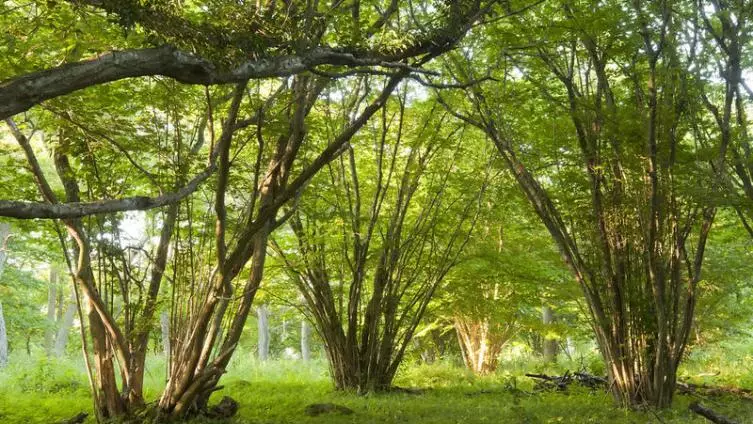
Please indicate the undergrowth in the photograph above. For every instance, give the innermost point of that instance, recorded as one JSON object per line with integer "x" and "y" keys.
{"x": 41, "y": 390}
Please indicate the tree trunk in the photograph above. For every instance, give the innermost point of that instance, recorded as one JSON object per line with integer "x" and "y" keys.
{"x": 481, "y": 342}
{"x": 549, "y": 348}
{"x": 193, "y": 376}
{"x": 66, "y": 322}
{"x": 262, "y": 315}
{"x": 305, "y": 340}
{"x": 49, "y": 334}
{"x": 111, "y": 404}
{"x": 3, "y": 340}
{"x": 164, "y": 320}
{"x": 4, "y": 234}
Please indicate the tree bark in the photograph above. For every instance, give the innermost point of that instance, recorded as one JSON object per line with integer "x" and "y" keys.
{"x": 164, "y": 320}
{"x": 66, "y": 322}
{"x": 3, "y": 339}
{"x": 49, "y": 335}
{"x": 4, "y": 234}
{"x": 305, "y": 341}
{"x": 549, "y": 344}
{"x": 262, "y": 317}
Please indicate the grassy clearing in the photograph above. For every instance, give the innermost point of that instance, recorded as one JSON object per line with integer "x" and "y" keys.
{"x": 278, "y": 391}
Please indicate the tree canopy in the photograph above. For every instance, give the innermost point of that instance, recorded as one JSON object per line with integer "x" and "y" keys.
{"x": 502, "y": 171}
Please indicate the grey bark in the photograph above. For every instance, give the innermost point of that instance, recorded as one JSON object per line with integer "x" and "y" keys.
{"x": 164, "y": 320}
{"x": 549, "y": 344}
{"x": 305, "y": 340}
{"x": 32, "y": 210}
{"x": 66, "y": 322}
{"x": 262, "y": 315}
{"x": 284, "y": 331}
{"x": 26, "y": 91}
{"x": 52, "y": 296}
{"x": 3, "y": 340}
{"x": 4, "y": 234}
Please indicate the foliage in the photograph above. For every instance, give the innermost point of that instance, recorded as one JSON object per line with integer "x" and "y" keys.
{"x": 458, "y": 178}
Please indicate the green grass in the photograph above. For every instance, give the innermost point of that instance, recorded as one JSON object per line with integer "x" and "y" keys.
{"x": 44, "y": 391}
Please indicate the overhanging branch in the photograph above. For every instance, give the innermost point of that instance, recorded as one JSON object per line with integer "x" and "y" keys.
{"x": 19, "y": 94}
{"x": 54, "y": 210}
{"x": 31, "y": 210}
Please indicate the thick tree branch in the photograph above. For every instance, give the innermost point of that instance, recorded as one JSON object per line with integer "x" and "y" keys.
{"x": 21, "y": 93}
{"x": 31, "y": 210}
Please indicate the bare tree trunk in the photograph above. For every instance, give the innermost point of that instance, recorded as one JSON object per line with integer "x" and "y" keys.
{"x": 305, "y": 340}
{"x": 49, "y": 334}
{"x": 549, "y": 343}
{"x": 164, "y": 321}
{"x": 3, "y": 340}
{"x": 262, "y": 315}
{"x": 66, "y": 322}
{"x": 4, "y": 234}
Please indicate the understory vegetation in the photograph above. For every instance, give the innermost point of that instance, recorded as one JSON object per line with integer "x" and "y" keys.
{"x": 278, "y": 391}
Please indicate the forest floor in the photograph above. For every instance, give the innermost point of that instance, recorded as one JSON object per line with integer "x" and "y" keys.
{"x": 279, "y": 391}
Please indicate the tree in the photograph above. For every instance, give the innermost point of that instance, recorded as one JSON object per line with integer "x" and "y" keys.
{"x": 372, "y": 248}
{"x": 627, "y": 220}
{"x": 3, "y": 340}
{"x": 509, "y": 265}
{"x": 65, "y": 323}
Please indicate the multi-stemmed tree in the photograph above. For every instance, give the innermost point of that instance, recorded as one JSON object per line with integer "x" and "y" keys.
{"x": 403, "y": 203}
{"x": 623, "y": 206}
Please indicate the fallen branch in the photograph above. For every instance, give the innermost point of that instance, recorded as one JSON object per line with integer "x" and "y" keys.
{"x": 709, "y": 414}
{"x": 560, "y": 383}
{"x": 547, "y": 382}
